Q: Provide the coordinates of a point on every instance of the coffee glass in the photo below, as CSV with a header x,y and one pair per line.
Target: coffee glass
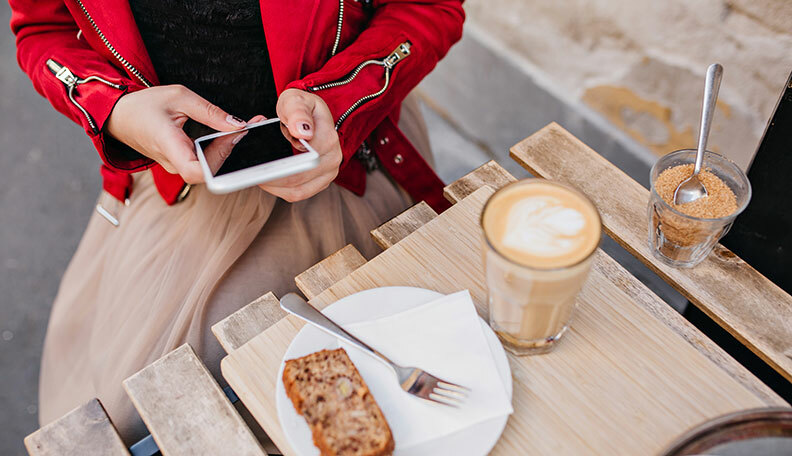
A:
x,y
681,240
539,238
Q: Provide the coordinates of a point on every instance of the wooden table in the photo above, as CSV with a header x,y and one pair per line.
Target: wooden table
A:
x,y
629,377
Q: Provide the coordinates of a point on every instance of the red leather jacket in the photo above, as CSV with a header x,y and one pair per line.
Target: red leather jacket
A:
x,y
83,55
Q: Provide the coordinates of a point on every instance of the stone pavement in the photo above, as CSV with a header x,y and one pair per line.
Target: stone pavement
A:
x,y
48,183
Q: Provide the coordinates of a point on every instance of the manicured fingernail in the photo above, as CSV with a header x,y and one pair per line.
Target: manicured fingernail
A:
x,y
305,128
235,121
239,137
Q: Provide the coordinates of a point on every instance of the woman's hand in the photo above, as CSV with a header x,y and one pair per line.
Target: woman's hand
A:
x,y
151,120
309,118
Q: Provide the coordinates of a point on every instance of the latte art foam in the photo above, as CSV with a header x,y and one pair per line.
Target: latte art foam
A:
x,y
542,224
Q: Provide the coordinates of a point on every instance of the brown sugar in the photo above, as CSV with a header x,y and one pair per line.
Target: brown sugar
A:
x,y
719,202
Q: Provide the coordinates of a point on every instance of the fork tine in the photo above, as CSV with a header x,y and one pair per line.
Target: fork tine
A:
x,y
449,396
461,395
441,400
453,387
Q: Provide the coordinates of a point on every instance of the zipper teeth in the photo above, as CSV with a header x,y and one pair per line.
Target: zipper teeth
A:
x,y
363,100
349,78
88,117
338,28
110,47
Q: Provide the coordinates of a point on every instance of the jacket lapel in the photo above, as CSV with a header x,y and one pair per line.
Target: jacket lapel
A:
x,y
287,26
115,20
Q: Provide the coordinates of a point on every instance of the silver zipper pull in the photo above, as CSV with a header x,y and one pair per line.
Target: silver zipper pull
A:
x,y
62,73
67,77
71,81
397,55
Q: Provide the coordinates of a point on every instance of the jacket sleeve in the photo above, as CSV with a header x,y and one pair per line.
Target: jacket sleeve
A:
x,y
429,27
47,33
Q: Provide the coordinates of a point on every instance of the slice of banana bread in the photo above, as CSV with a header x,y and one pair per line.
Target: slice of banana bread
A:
x,y
328,391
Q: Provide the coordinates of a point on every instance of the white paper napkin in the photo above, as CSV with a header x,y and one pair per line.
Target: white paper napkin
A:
x,y
445,338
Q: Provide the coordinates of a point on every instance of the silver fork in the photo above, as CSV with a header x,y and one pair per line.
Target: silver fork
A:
x,y
412,379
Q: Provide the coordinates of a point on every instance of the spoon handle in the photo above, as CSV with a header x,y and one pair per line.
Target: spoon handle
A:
x,y
714,73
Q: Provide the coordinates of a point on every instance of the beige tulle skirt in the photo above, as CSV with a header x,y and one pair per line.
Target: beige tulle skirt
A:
x,y
133,293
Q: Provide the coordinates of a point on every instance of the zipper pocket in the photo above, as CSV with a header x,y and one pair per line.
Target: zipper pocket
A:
x,y
71,81
390,61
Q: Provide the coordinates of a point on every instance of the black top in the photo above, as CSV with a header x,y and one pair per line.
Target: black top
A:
x,y
216,48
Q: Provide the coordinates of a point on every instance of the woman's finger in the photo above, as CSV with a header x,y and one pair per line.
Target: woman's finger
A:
x,y
302,192
200,110
328,164
295,143
167,166
325,139
295,180
300,182
177,148
220,149
295,109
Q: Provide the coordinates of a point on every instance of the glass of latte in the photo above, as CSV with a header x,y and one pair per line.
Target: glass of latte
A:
x,y
539,241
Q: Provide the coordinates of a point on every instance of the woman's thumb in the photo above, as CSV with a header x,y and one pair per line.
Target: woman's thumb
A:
x,y
297,114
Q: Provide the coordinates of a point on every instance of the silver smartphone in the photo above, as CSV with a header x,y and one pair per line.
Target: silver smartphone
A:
x,y
258,153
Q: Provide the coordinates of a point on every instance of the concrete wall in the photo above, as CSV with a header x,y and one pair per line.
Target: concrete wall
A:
x,y
640,64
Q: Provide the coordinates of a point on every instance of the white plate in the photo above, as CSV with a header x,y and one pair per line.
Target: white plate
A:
x,y
476,440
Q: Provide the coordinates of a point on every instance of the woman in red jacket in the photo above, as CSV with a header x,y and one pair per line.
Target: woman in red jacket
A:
x,y
163,259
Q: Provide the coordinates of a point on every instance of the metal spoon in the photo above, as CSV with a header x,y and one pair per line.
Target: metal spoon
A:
x,y
691,189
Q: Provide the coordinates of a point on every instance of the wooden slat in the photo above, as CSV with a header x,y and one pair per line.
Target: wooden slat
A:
x,y
731,292
608,267
244,324
399,227
186,411
618,368
329,271
490,173
85,431
235,331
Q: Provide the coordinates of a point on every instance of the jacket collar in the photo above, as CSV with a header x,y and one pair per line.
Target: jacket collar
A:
x,y
115,21
285,34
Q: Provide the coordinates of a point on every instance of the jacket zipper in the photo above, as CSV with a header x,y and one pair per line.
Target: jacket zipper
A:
x,y
186,189
338,27
71,82
112,50
398,54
